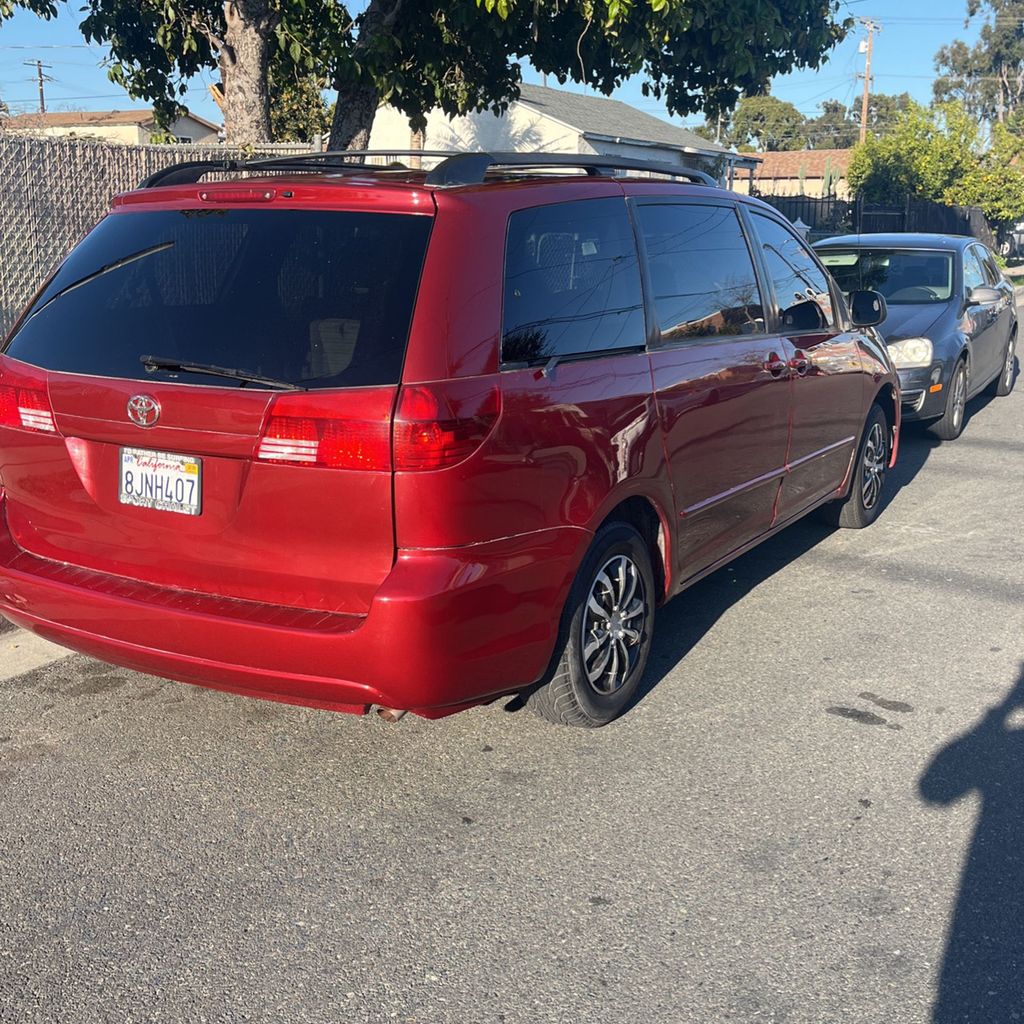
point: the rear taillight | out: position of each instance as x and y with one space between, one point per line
438 425
349 431
27 408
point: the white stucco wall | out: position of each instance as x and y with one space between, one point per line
521 129
518 130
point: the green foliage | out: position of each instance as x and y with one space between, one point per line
925 154
464 55
996 182
834 128
770 122
988 77
298 111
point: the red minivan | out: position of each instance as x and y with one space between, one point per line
358 438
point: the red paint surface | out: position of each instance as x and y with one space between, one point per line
427 589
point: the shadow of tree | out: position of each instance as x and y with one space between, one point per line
982 976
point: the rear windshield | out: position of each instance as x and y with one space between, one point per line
903 276
314 298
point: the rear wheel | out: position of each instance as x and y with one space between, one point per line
1003 384
862 505
949 426
605 636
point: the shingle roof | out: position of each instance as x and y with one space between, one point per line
812 162
91 119
596 115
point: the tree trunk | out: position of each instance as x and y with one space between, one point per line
357 103
353 117
244 60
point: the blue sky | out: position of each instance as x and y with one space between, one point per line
902 62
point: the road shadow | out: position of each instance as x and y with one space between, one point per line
682 623
982 975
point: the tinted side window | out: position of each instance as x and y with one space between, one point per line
992 271
572 282
801 288
701 271
974 275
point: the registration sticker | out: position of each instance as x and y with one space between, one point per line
160 480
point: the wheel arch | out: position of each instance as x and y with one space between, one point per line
887 399
645 516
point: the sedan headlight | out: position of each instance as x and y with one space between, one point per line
910 352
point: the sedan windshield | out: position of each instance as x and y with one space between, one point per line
903 276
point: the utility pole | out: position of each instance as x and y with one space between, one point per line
39 65
872 27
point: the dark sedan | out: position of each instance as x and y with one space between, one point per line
952 324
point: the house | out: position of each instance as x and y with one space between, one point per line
805 172
129 126
557 121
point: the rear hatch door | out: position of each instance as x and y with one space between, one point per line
270 482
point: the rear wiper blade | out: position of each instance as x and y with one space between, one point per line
106 269
154 363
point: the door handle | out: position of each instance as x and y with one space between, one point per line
775 365
800 363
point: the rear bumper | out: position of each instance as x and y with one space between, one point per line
447 629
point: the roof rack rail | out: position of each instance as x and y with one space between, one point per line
472 168
454 169
338 160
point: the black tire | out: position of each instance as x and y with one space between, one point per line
570 695
1003 384
863 503
950 425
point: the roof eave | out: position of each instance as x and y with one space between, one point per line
624 140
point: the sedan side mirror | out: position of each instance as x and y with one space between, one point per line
982 296
867 308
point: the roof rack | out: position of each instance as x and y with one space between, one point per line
472 168
454 168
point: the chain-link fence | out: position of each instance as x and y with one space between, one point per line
52 191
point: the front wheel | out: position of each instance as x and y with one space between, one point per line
950 425
605 636
1003 384
862 505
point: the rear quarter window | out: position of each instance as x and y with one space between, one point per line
572 282
316 298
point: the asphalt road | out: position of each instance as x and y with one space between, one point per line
768 836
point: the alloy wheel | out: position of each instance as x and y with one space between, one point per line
959 395
1011 351
873 476
614 622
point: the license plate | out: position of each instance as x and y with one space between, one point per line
160 480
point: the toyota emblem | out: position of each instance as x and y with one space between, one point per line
143 410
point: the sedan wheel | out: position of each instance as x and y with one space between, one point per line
951 424
1003 384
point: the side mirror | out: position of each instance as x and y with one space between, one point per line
982 296
804 316
867 308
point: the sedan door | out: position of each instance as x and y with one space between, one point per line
986 345
829 380
1003 312
721 383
